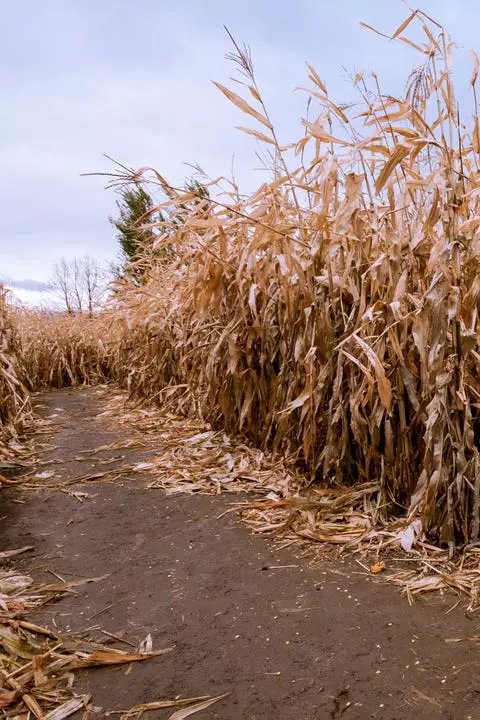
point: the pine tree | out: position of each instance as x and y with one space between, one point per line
143 245
134 205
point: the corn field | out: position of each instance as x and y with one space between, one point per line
332 315
14 397
61 350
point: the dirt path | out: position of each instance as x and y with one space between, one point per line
285 639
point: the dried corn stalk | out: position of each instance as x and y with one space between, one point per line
14 397
332 316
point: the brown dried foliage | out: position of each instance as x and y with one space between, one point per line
61 350
332 315
14 397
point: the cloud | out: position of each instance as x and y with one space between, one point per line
27 284
34 299
29 292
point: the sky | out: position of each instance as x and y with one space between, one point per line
85 78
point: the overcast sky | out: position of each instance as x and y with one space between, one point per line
81 78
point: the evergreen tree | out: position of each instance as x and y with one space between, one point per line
134 205
136 208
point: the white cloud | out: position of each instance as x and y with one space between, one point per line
32 298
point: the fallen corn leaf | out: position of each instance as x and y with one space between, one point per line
156 705
16 646
11 553
67 708
181 714
7 697
115 657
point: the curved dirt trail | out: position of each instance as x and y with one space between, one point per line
284 638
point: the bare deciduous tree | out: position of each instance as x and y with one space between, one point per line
94 281
81 284
61 283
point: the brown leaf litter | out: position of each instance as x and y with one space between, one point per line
37 666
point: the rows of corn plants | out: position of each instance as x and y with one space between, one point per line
331 316
61 349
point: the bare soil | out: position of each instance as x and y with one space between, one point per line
285 637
